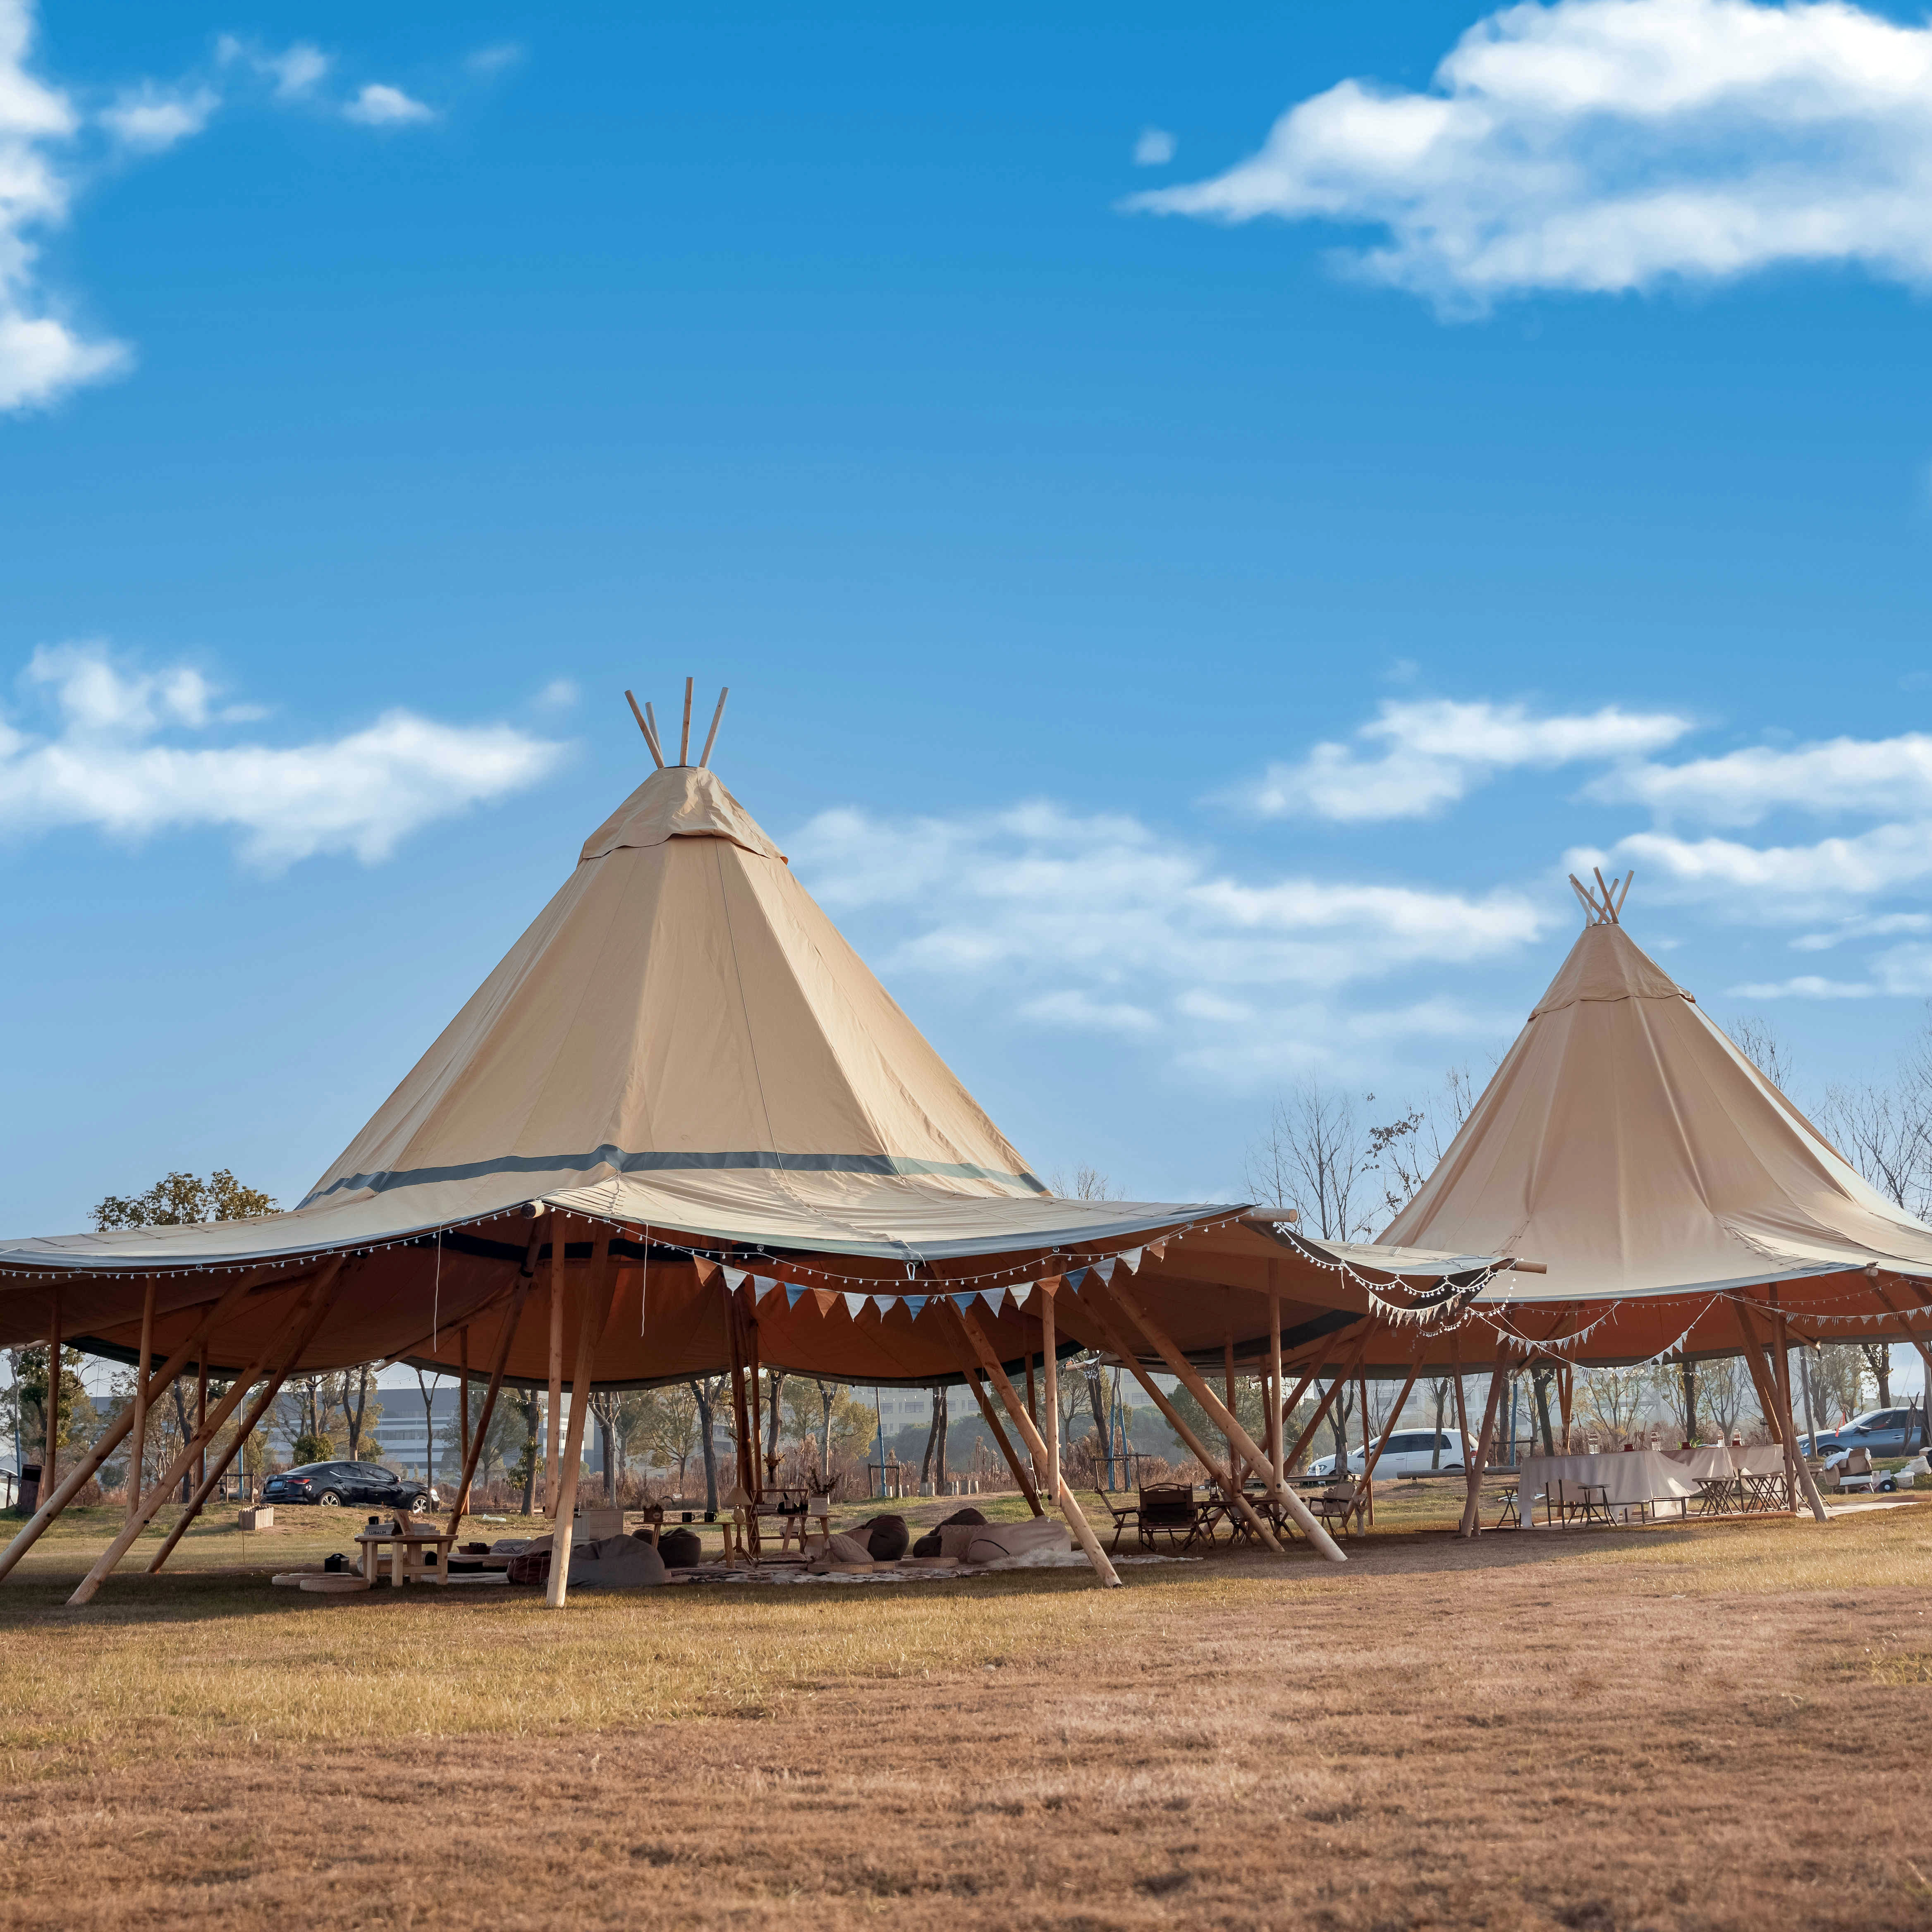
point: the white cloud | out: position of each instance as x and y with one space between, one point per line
149 118
1155 148
560 695
296 71
494 59
43 356
1901 972
1878 926
1426 754
379 105
1098 923
1607 145
107 764
1881 775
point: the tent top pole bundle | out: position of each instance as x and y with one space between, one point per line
647 723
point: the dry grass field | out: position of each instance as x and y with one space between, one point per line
1709 1726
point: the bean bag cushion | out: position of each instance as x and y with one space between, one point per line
1017 1539
530 1564
679 1549
615 1563
848 1549
956 1538
962 1515
886 1537
928 1545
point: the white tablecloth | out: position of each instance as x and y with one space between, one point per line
1710 1464
1627 1477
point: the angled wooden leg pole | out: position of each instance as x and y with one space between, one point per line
318 1306
514 1315
1277 1421
1001 1439
1337 1382
1076 1520
137 1454
559 1236
1130 1354
111 1438
596 1311
91 1583
1472 1514
50 1455
1189 1379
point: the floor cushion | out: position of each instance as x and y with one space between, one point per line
886 1537
1017 1539
680 1549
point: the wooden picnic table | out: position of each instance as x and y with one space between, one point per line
406 1548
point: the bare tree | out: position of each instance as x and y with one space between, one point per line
1721 1387
1406 1151
1088 1183
1313 1156
1765 1047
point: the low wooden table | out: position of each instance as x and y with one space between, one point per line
405 1563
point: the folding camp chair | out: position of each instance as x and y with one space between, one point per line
1337 1504
1169 1509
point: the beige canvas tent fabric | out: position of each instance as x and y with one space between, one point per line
683 1049
1626 1144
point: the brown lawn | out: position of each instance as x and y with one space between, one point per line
1714 1726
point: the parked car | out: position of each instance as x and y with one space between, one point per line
1411 1452
1883 1431
330 1483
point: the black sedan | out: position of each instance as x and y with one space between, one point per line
331 1483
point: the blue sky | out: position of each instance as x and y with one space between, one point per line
1203 524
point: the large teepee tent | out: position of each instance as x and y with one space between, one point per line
679 1128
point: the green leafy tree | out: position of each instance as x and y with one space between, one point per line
309 1447
178 1200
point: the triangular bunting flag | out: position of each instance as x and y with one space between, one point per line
827 1299
1105 1270
1131 1258
734 1279
1158 1248
853 1303
916 1304
993 1298
1020 1293
706 1270
884 1303
1075 1278
1049 1284
762 1285
793 1295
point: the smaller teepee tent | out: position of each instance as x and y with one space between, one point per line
1673 1194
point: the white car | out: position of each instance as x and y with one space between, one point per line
1411 1452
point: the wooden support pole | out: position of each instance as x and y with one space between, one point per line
1371 1457
593 1310
1472 1512
1223 1419
1195 1447
91 1583
650 741
463 1393
200 1413
717 718
1076 1520
1799 1468
1339 1381
1001 1438
318 1305
1049 1344
1761 1381
50 1456
137 1453
510 1319
560 1230
1277 1420
684 740
111 1438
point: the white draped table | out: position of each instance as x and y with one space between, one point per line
1627 1477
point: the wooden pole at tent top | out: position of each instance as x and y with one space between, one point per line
1070 1508
593 1310
711 736
560 1232
684 737
650 737
657 737
137 1453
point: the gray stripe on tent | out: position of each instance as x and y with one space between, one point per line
648 1163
